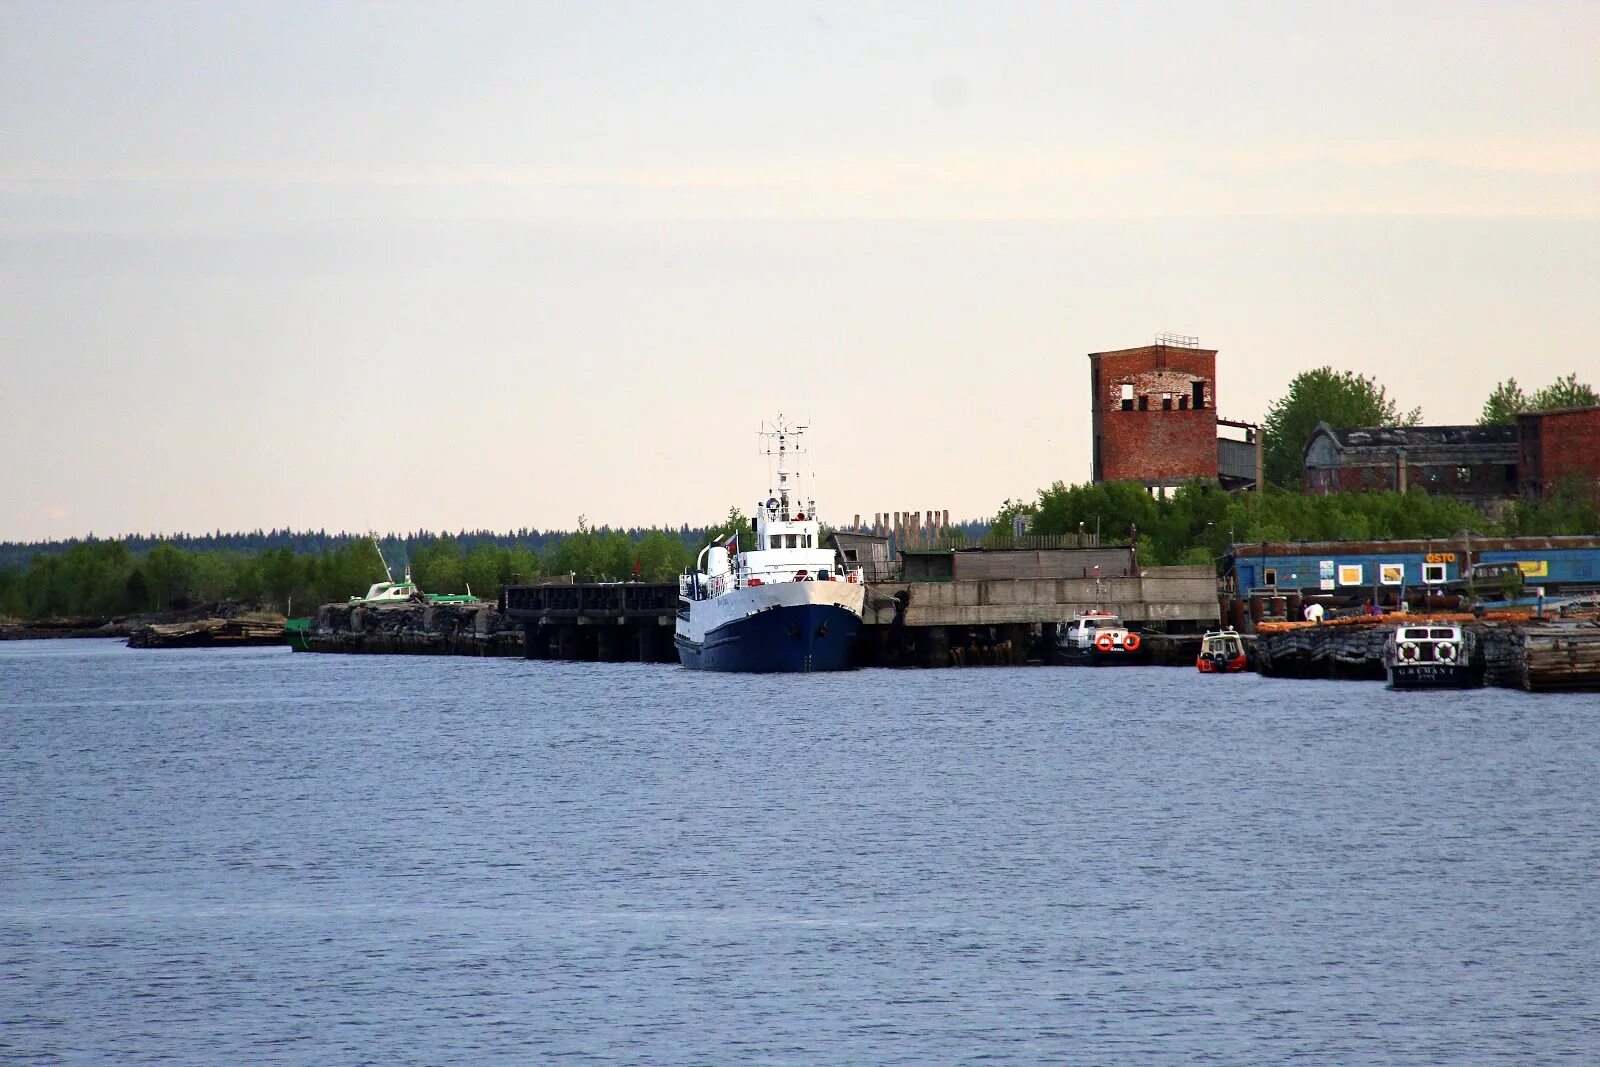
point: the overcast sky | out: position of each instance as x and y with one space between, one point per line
398 266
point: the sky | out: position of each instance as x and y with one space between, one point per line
477 265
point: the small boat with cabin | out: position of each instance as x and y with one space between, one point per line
390 591
783 604
1097 638
1429 655
1222 652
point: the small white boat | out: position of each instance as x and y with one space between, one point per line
1222 652
1429 655
406 592
1097 638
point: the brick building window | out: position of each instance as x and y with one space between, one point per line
1183 403
1127 396
1166 401
1144 403
1199 396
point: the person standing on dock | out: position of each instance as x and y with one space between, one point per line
1313 612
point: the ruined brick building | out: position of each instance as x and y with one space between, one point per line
1477 464
1482 465
1558 448
1154 419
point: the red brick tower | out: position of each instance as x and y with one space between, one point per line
1154 413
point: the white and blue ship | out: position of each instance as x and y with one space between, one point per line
785 603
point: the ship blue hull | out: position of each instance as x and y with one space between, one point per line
780 640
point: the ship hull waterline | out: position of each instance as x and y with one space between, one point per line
781 639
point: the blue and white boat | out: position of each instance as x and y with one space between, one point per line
785 603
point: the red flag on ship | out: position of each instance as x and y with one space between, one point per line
733 544
638 566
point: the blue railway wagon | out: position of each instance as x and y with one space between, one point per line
1553 568
1328 570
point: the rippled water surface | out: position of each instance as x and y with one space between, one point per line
252 855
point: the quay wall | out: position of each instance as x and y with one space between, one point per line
1184 595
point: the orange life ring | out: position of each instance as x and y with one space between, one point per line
1131 642
1104 642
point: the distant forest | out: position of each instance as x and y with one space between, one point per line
285 570
279 569
396 547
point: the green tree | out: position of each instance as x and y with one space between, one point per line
436 566
485 569
1508 399
1004 523
212 577
280 575
660 556
1339 398
1565 392
167 571
1505 400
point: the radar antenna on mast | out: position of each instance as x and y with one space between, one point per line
787 439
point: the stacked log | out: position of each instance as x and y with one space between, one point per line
1560 656
241 631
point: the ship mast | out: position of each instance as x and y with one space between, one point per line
782 432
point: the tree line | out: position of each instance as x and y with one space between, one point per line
112 578
310 542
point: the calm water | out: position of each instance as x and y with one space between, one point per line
252 855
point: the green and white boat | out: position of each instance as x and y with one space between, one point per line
406 592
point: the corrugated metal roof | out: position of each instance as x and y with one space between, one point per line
1389 438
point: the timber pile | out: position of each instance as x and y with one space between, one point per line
1562 656
415 629
1394 618
241 631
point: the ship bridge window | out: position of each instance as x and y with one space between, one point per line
1415 635
1443 635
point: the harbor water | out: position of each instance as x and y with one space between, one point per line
256 856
